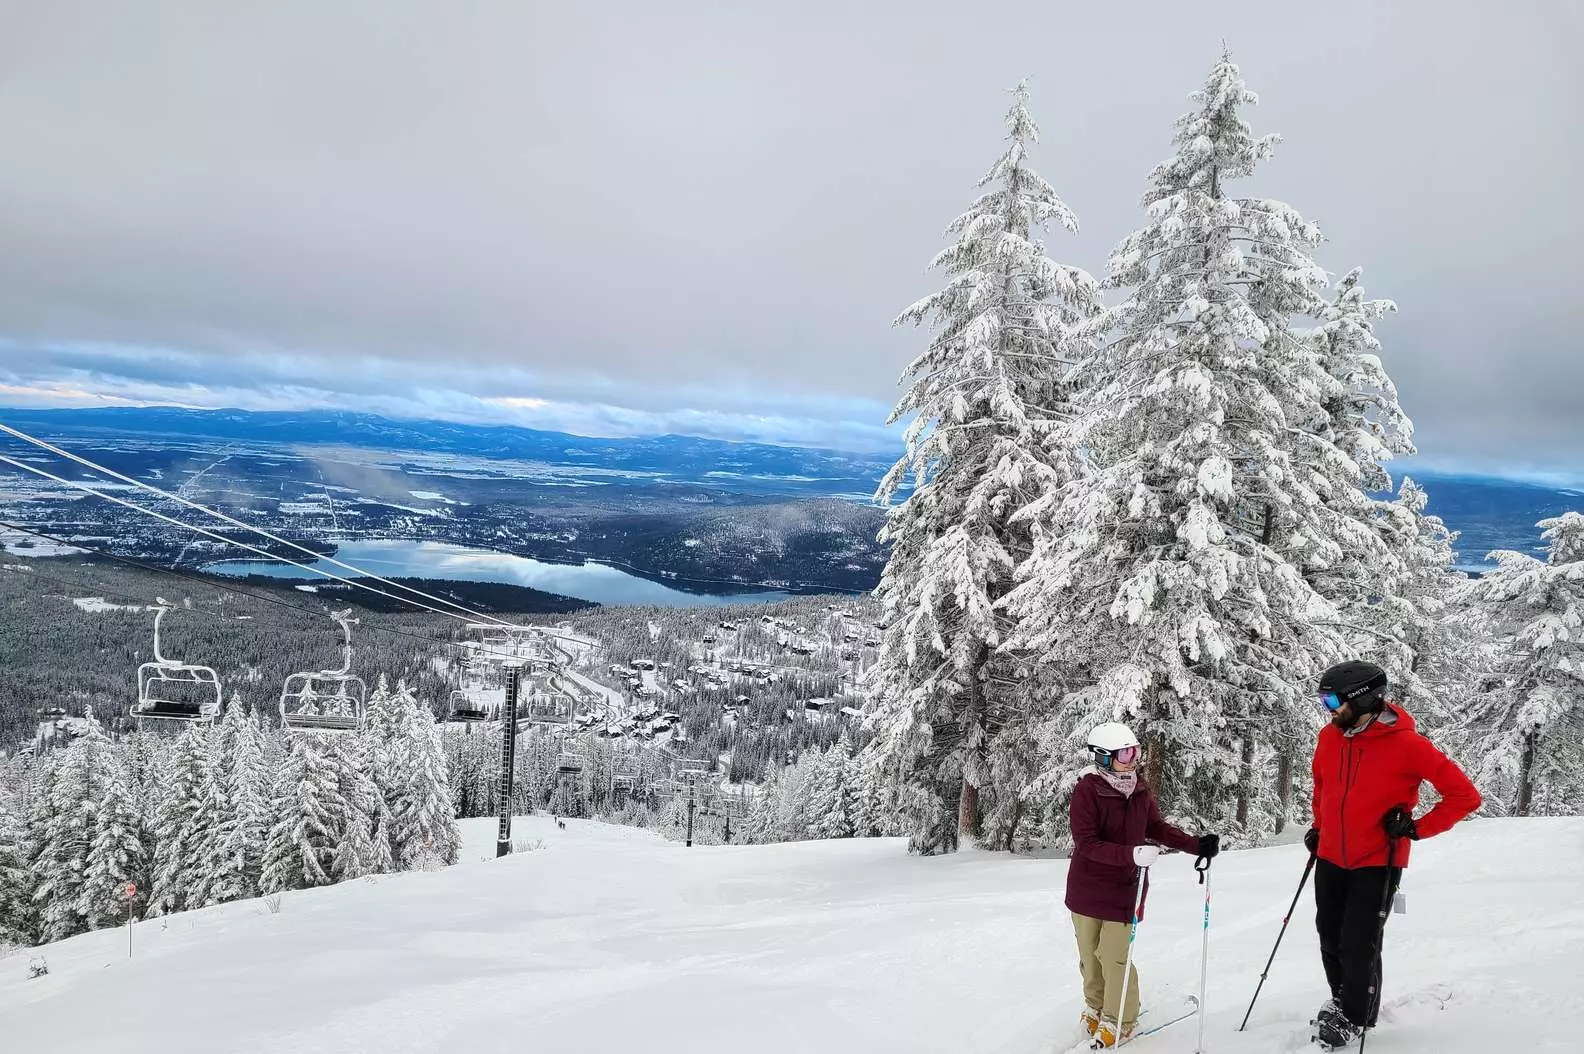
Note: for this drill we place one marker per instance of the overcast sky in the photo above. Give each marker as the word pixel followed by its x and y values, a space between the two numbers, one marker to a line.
pixel 702 217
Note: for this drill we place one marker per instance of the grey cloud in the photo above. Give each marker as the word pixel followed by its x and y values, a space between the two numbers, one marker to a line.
pixel 711 204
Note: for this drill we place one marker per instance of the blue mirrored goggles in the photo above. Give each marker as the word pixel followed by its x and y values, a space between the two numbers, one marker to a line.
pixel 1330 701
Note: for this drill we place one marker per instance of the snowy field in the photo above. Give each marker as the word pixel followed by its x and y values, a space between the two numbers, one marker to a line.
pixel 609 939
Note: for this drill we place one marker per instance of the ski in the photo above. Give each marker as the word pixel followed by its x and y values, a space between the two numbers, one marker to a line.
pixel 1193 1008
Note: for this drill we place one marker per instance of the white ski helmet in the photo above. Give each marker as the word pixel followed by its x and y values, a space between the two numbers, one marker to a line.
pixel 1112 737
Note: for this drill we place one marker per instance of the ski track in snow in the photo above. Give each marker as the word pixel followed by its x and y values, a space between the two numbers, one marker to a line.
pixel 610 939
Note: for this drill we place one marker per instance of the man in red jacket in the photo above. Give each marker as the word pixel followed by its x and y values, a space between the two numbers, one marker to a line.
pixel 1368 767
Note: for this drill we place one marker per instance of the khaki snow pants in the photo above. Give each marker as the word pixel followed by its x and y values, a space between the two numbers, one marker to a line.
pixel 1102 953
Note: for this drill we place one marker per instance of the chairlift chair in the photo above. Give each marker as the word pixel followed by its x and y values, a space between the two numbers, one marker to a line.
pixel 169 690
pixel 544 706
pixel 326 700
pixel 461 705
pixel 569 762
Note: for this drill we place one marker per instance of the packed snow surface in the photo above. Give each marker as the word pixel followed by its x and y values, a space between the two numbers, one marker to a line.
pixel 609 939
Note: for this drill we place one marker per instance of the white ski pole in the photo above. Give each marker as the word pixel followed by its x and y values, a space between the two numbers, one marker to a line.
pixel 1202 865
pixel 1127 963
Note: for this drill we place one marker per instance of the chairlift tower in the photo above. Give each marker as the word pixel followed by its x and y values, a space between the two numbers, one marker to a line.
pixel 503 843
pixel 172 693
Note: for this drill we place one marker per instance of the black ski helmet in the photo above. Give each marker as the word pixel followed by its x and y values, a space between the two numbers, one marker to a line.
pixel 1361 683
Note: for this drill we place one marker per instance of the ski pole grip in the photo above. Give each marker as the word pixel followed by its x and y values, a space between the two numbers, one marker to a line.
pixel 1202 865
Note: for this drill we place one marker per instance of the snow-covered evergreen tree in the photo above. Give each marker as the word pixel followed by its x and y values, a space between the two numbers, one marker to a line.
pixel 358 806
pixel 830 803
pixel 180 825
pixel 422 820
pixel 1528 727
pixel 76 854
pixel 1173 567
pixel 116 856
pixel 308 818
pixel 16 892
pixel 247 788
pixel 988 398
pixel 1363 419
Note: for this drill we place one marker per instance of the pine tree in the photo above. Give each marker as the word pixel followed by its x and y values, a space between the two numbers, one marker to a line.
pixel 179 859
pixel 220 870
pixel 15 881
pixel 309 818
pixel 116 855
pixel 358 804
pixel 988 398
pixel 1529 729
pixel 146 757
pixel 37 808
pixel 247 787
pixel 1171 568
pixel 422 814
pixel 830 805
pixel 79 849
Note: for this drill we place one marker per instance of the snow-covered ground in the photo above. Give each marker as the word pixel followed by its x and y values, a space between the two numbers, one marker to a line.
pixel 99 605
pixel 609 939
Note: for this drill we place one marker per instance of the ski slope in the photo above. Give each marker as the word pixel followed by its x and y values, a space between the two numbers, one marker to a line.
pixel 608 939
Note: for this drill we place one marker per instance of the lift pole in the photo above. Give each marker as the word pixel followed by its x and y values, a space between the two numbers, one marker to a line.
pixel 503 839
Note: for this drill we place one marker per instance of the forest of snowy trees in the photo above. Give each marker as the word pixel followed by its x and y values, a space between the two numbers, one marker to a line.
pixel 1175 511
pixel 219 813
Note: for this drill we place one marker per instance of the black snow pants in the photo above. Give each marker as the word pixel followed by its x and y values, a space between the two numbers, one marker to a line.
pixel 1347 914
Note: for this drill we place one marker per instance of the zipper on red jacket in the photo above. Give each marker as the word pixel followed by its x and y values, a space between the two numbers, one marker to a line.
pixel 1349 772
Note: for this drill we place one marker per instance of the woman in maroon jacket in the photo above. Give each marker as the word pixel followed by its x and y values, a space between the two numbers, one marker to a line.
pixel 1114 821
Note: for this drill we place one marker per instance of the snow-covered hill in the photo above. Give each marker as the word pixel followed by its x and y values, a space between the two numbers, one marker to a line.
pixel 611 940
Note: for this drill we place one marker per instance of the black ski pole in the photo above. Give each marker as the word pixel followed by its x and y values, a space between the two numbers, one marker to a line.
pixel 1288 918
pixel 1380 933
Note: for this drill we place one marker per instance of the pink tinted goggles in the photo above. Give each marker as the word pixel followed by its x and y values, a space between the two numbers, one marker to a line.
pixel 1127 755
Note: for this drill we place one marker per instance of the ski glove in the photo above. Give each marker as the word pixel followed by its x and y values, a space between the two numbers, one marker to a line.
pixel 1399 823
pixel 1312 840
pixel 1209 846
pixel 1144 855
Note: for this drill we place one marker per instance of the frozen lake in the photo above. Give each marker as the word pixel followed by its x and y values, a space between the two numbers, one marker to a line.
pixel 599 583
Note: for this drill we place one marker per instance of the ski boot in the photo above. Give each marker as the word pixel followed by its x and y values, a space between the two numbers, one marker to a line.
pixel 1335 1031
pixel 1328 1013
pixel 1106 1037
pixel 1090 1021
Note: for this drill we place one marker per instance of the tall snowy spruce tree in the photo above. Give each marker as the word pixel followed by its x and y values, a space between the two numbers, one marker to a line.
pixel 1527 730
pixel 181 827
pixel 1176 567
pixel 88 847
pixel 985 397
pixel 16 892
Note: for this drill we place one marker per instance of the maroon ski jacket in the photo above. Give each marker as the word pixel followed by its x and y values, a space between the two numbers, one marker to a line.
pixel 1101 878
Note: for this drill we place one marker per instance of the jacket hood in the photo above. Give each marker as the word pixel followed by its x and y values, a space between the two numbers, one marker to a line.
pixel 1403 722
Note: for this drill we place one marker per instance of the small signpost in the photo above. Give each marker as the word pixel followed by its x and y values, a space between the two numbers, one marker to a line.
pixel 131 895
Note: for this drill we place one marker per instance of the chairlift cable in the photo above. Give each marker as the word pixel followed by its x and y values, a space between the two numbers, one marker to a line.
pixel 212 582
pixel 87 463
pixel 78 485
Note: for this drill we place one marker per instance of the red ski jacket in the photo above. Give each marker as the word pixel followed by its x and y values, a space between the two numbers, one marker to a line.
pixel 1358 778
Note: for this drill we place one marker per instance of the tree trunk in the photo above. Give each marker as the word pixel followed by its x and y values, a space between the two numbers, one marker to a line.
pixel 1017 815
pixel 968 813
pixel 1154 767
pixel 1284 788
pixel 1245 781
pixel 1526 775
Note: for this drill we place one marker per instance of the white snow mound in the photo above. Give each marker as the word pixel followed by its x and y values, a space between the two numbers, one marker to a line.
pixel 608 939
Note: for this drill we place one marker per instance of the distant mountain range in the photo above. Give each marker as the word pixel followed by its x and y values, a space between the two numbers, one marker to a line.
pixel 674 455
pixel 1488 513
